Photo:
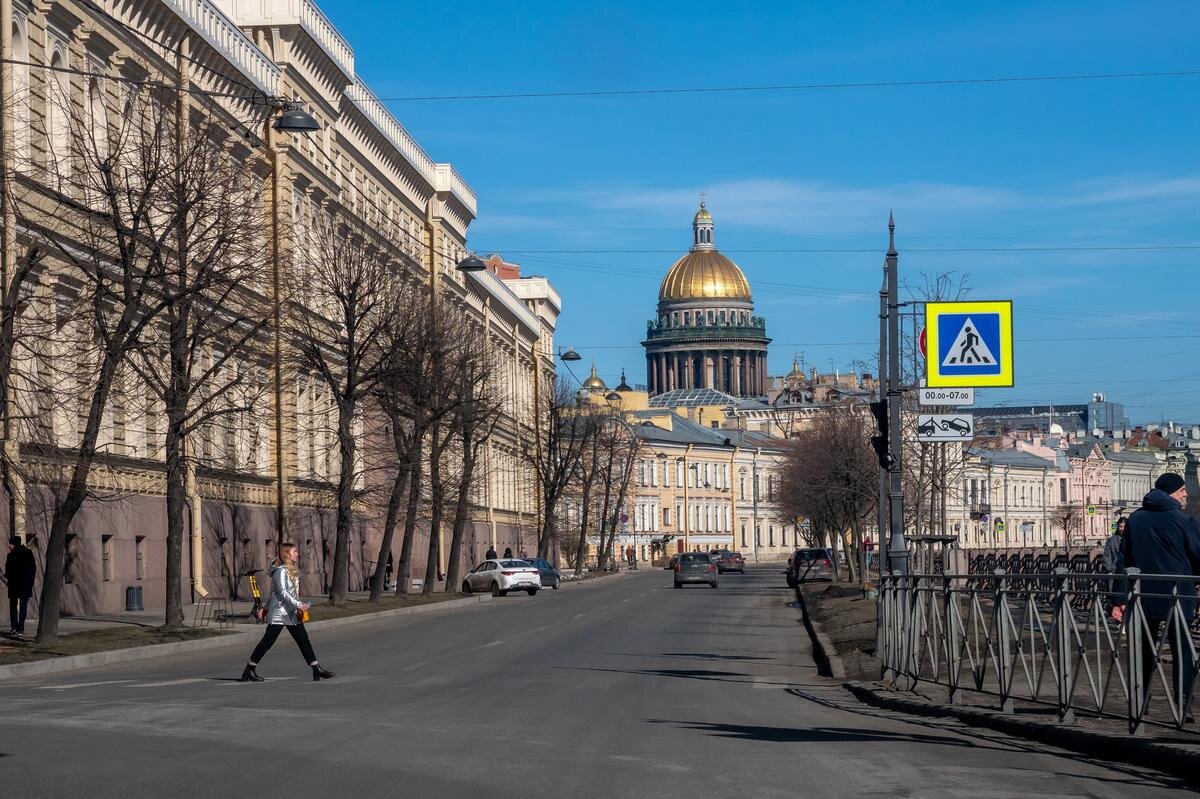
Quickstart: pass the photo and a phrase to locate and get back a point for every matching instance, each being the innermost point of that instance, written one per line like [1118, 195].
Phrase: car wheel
[466, 587]
[496, 590]
[531, 591]
[555, 586]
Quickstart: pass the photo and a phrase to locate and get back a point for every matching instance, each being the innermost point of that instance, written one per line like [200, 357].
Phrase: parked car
[728, 561]
[695, 567]
[809, 564]
[502, 576]
[549, 575]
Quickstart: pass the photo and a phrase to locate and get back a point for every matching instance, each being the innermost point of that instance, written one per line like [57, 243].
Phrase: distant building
[1099, 414]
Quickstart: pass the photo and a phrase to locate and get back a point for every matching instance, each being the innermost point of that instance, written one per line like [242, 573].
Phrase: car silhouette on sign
[930, 427]
[957, 425]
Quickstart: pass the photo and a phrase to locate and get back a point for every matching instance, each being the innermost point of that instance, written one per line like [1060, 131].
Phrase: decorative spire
[702, 228]
[891, 234]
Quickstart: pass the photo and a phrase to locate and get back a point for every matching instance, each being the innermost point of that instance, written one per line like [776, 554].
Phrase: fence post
[883, 626]
[949, 619]
[1133, 646]
[1063, 662]
[1003, 641]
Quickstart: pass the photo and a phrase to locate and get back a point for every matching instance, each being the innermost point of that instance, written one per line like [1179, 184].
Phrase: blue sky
[1109, 163]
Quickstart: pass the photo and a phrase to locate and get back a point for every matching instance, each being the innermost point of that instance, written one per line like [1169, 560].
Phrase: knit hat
[1169, 482]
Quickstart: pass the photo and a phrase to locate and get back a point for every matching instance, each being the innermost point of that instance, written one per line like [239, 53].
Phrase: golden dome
[797, 373]
[704, 274]
[594, 383]
[702, 215]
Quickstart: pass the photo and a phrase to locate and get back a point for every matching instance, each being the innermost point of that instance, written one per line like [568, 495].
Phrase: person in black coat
[19, 572]
[490, 554]
[1161, 538]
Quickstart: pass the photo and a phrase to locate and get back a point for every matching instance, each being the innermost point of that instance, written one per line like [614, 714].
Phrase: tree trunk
[584, 518]
[345, 505]
[851, 571]
[395, 500]
[404, 567]
[454, 569]
[50, 605]
[437, 498]
[176, 503]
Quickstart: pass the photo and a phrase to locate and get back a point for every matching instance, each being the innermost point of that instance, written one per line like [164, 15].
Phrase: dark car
[695, 567]
[728, 561]
[927, 429]
[957, 425]
[550, 576]
[671, 563]
[809, 564]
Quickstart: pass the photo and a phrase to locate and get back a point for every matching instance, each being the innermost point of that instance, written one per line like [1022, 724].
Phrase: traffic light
[879, 442]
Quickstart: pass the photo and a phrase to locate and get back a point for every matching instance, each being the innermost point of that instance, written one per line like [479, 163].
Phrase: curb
[595, 580]
[829, 664]
[39, 668]
[1180, 761]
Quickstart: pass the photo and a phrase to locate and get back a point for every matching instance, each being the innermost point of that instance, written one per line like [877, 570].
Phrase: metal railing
[1047, 639]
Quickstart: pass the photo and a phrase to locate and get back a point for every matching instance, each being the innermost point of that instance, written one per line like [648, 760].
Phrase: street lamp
[569, 354]
[294, 120]
[471, 264]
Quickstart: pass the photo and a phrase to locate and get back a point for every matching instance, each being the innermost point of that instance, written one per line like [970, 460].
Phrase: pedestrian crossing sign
[968, 344]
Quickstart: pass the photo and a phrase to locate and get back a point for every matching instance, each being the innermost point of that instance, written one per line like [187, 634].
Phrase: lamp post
[288, 117]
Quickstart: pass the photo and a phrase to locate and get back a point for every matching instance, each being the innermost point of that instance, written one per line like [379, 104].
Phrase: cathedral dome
[704, 273]
[594, 383]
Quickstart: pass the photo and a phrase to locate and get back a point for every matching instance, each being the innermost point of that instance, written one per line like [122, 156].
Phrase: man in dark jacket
[19, 573]
[491, 553]
[1161, 538]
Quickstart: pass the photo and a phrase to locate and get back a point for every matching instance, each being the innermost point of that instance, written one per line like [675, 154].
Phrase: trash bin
[133, 597]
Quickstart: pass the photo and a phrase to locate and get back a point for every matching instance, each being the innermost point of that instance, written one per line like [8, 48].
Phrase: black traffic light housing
[879, 442]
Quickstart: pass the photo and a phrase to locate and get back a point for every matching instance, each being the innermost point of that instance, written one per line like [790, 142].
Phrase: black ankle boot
[249, 674]
[320, 673]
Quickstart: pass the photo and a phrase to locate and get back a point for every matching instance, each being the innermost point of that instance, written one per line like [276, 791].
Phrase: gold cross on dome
[701, 199]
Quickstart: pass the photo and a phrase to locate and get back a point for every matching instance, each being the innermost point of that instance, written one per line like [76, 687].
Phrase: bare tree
[557, 464]
[828, 475]
[620, 448]
[344, 283]
[474, 417]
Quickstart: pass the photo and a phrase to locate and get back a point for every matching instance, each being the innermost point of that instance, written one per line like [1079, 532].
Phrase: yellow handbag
[302, 616]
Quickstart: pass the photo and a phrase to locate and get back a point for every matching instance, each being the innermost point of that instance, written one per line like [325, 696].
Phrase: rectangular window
[1062, 490]
[666, 517]
[743, 536]
[771, 535]
[139, 557]
[106, 558]
[741, 487]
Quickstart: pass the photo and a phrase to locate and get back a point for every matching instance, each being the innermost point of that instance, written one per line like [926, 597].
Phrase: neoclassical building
[706, 334]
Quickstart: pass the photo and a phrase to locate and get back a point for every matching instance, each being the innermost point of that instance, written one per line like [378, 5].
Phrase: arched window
[58, 127]
[20, 51]
[97, 121]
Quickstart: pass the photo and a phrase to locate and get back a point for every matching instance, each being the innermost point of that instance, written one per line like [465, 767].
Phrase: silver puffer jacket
[285, 598]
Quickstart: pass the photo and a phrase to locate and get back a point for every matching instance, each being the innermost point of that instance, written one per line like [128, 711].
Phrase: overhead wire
[788, 87]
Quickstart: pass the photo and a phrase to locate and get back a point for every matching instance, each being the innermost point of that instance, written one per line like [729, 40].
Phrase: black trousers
[18, 608]
[1183, 669]
[299, 635]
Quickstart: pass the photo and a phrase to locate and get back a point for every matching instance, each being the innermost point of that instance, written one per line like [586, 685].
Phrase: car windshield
[694, 557]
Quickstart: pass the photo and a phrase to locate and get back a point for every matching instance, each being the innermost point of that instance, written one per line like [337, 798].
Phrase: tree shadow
[708, 656]
[752, 732]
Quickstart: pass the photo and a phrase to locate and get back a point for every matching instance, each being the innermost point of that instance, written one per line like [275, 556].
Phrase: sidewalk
[837, 612]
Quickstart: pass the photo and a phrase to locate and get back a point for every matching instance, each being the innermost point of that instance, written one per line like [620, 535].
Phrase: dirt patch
[102, 640]
[849, 620]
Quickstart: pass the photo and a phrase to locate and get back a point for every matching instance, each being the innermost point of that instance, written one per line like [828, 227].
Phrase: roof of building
[1131, 457]
[1011, 457]
[692, 398]
[704, 274]
[685, 432]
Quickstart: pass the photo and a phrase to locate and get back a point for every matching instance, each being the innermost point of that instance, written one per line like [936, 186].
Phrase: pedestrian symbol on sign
[968, 348]
[969, 344]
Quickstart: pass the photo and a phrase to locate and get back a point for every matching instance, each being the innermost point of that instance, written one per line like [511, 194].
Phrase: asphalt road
[623, 689]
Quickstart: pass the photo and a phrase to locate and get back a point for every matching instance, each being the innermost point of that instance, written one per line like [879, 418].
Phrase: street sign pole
[881, 530]
[897, 549]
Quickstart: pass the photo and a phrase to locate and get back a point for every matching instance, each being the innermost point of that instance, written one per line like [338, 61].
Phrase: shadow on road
[751, 732]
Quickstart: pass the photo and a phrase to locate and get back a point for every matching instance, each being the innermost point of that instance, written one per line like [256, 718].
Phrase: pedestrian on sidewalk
[19, 572]
[1160, 538]
[1114, 563]
[508, 553]
[285, 609]
[491, 552]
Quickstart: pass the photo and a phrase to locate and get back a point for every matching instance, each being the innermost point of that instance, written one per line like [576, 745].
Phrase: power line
[888, 84]
[869, 250]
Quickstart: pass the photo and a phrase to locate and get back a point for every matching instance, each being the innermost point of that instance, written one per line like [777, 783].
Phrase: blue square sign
[969, 344]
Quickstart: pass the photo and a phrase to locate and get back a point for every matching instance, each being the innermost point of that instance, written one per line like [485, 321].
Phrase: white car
[502, 576]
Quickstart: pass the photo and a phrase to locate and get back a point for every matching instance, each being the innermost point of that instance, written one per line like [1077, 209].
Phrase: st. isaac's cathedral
[706, 334]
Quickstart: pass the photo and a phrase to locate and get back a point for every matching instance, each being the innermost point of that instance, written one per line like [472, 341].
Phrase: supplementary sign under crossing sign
[945, 427]
[969, 344]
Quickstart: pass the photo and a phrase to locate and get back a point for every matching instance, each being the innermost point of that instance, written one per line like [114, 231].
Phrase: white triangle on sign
[969, 348]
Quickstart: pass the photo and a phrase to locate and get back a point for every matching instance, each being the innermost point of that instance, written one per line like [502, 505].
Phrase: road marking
[578, 615]
[623, 601]
[493, 643]
[543, 627]
[415, 665]
[184, 681]
[79, 685]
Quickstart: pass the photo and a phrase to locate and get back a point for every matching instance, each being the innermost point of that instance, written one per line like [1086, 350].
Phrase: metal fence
[1047, 639]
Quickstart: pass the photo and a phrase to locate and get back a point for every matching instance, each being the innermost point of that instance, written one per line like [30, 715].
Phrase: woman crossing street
[285, 609]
